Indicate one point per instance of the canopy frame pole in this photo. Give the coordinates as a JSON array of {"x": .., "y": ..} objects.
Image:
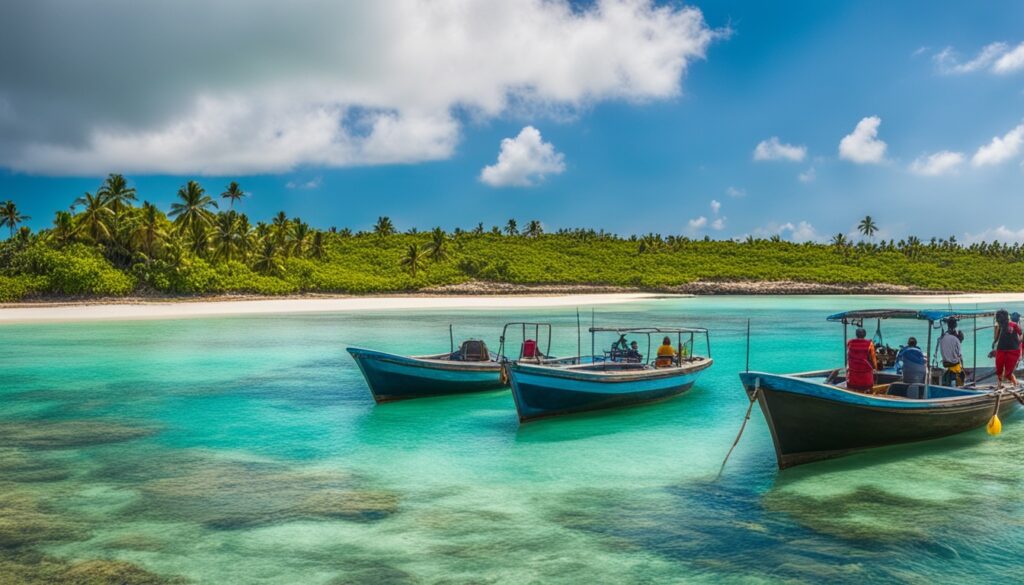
[
  {"x": 579, "y": 339},
  {"x": 451, "y": 338},
  {"x": 928, "y": 362},
  {"x": 974, "y": 368}
]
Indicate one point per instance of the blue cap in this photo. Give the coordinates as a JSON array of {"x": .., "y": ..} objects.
[{"x": 1015, "y": 317}]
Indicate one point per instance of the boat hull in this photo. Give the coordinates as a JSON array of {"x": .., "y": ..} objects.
[
  {"x": 393, "y": 377},
  {"x": 811, "y": 421},
  {"x": 541, "y": 392}
]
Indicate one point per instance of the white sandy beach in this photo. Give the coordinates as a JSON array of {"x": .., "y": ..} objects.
[
  {"x": 163, "y": 309},
  {"x": 175, "y": 310}
]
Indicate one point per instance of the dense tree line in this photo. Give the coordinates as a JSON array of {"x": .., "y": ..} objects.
[{"x": 108, "y": 243}]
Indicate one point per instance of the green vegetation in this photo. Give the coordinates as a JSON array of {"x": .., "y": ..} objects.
[{"x": 110, "y": 246}]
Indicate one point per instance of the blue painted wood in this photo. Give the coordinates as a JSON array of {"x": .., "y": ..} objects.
[
  {"x": 811, "y": 421},
  {"x": 394, "y": 377},
  {"x": 544, "y": 391}
]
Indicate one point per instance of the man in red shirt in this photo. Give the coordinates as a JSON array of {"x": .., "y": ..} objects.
[{"x": 861, "y": 362}]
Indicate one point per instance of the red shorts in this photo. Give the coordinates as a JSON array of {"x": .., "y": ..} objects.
[{"x": 1006, "y": 362}]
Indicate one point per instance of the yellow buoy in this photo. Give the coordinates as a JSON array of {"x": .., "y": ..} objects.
[{"x": 994, "y": 426}]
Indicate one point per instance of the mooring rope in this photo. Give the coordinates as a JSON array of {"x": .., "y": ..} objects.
[{"x": 750, "y": 407}]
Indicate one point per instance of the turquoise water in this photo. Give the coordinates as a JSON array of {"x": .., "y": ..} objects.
[{"x": 248, "y": 450}]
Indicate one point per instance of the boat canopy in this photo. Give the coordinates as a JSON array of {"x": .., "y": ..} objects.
[
  {"x": 648, "y": 330},
  {"x": 926, "y": 315}
]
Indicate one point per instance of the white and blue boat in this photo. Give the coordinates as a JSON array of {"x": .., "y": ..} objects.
[
  {"x": 813, "y": 415},
  {"x": 616, "y": 378},
  {"x": 469, "y": 368}
]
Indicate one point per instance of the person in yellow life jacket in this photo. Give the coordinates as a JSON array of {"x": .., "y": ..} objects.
[{"x": 666, "y": 354}]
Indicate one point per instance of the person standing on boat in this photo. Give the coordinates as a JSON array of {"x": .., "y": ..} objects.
[
  {"x": 666, "y": 354},
  {"x": 1007, "y": 344},
  {"x": 950, "y": 348},
  {"x": 861, "y": 362},
  {"x": 913, "y": 362}
]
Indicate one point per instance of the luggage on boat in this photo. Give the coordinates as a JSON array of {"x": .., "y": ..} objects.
[{"x": 474, "y": 350}]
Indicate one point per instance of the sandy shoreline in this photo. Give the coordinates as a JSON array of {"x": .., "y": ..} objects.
[
  {"x": 70, "y": 310},
  {"x": 142, "y": 309}
]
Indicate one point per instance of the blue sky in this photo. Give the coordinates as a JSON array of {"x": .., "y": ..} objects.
[{"x": 650, "y": 153}]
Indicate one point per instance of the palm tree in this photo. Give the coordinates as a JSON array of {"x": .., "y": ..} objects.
[
  {"x": 511, "y": 228},
  {"x": 64, "y": 228},
  {"x": 199, "y": 239},
  {"x": 436, "y": 249},
  {"x": 96, "y": 217},
  {"x": 839, "y": 240},
  {"x": 414, "y": 260},
  {"x": 867, "y": 226},
  {"x": 300, "y": 233},
  {"x": 194, "y": 208},
  {"x": 233, "y": 193},
  {"x": 11, "y": 217},
  {"x": 318, "y": 247},
  {"x": 149, "y": 233},
  {"x": 384, "y": 227},
  {"x": 227, "y": 238},
  {"x": 117, "y": 193},
  {"x": 534, "y": 228},
  {"x": 267, "y": 260},
  {"x": 279, "y": 228}
]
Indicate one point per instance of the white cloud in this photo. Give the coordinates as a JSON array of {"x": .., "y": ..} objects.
[
  {"x": 862, "y": 146},
  {"x": 1011, "y": 61},
  {"x": 948, "y": 63},
  {"x": 1001, "y": 234},
  {"x": 799, "y": 232},
  {"x": 523, "y": 161},
  {"x": 313, "y": 183},
  {"x": 939, "y": 163},
  {"x": 773, "y": 149},
  {"x": 997, "y": 58},
  {"x": 717, "y": 222},
  {"x": 735, "y": 192},
  {"x": 313, "y": 83},
  {"x": 808, "y": 176},
  {"x": 1000, "y": 149}
]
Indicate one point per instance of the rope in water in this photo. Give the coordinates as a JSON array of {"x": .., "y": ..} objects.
[{"x": 750, "y": 407}]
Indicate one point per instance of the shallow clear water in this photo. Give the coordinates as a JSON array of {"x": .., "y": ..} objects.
[{"x": 248, "y": 449}]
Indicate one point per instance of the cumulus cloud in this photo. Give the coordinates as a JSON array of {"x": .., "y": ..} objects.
[
  {"x": 246, "y": 86},
  {"x": 1000, "y": 234},
  {"x": 523, "y": 161},
  {"x": 698, "y": 223},
  {"x": 808, "y": 176},
  {"x": 939, "y": 163},
  {"x": 800, "y": 232},
  {"x": 1000, "y": 149},
  {"x": 773, "y": 149},
  {"x": 1011, "y": 61},
  {"x": 717, "y": 221},
  {"x": 862, "y": 146},
  {"x": 997, "y": 58}
]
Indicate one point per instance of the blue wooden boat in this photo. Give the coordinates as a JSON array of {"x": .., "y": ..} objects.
[
  {"x": 813, "y": 416},
  {"x": 613, "y": 379},
  {"x": 469, "y": 368}
]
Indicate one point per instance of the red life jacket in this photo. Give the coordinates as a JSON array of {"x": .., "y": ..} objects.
[
  {"x": 860, "y": 373},
  {"x": 858, "y": 356}
]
